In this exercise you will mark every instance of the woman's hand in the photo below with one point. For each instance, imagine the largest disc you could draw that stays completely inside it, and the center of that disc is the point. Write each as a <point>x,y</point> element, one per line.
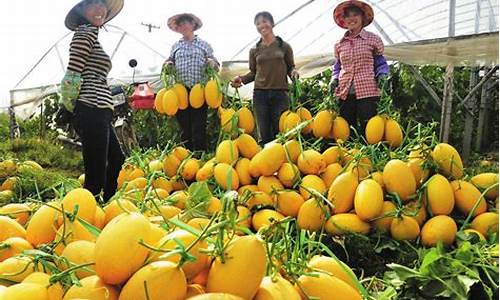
<point>168,64</point>
<point>294,74</point>
<point>381,81</point>
<point>212,64</point>
<point>70,89</point>
<point>333,85</point>
<point>236,82</point>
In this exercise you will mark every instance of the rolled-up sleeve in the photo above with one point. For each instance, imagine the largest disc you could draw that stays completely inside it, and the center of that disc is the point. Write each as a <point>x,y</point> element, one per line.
<point>210,53</point>
<point>378,47</point>
<point>174,48</point>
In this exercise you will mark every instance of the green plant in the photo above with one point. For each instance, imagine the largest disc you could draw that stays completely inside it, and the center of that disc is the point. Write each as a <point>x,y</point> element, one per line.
<point>154,130</point>
<point>468,272</point>
<point>42,185</point>
<point>45,152</point>
<point>369,255</point>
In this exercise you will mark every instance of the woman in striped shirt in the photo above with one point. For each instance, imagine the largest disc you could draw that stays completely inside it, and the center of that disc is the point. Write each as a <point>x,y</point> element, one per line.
<point>84,91</point>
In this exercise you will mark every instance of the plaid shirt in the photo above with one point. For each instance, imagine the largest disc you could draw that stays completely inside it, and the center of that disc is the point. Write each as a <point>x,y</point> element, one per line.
<point>189,58</point>
<point>356,55</point>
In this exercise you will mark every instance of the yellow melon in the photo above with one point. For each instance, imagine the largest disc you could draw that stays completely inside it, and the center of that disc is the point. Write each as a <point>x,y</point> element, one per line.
<point>246,120</point>
<point>170,103</point>
<point>448,159</point>
<point>399,179</point>
<point>197,96</point>
<point>247,146</point>
<point>226,176</point>
<point>305,115</point>
<point>227,152</point>
<point>374,131</point>
<point>182,95</point>
<point>393,133</point>
<point>212,94</point>
<point>340,129</point>
<point>322,124</point>
<point>159,100</point>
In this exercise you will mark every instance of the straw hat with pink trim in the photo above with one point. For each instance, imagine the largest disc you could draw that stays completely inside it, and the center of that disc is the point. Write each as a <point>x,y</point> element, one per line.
<point>339,11</point>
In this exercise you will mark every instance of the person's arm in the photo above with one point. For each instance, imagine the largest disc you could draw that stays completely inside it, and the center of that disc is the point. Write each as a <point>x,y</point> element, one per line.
<point>290,63</point>
<point>334,81</point>
<point>336,69</point>
<point>211,59</point>
<point>381,68</point>
<point>378,47</point>
<point>338,65</point>
<point>252,63</point>
<point>81,45</point>
<point>171,58</point>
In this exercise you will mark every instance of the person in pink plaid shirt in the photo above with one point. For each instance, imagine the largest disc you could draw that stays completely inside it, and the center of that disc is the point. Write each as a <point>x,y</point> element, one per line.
<point>360,68</point>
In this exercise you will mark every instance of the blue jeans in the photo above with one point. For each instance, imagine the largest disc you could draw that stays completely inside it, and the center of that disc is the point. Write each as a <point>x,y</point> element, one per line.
<point>268,105</point>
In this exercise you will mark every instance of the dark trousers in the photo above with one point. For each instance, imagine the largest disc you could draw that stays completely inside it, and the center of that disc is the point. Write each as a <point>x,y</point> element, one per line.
<point>102,154</point>
<point>268,105</point>
<point>193,123</point>
<point>357,112</point>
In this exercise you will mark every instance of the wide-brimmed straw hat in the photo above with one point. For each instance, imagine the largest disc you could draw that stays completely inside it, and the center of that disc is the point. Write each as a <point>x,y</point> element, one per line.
<point>172,21</point>
<point>338,12</point>
<point>75,16</point>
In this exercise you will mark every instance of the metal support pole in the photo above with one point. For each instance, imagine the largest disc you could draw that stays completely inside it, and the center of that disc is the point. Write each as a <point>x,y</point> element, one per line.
<point>482,116</point>
<point>447,105</point>
<point>118,44</point>
<point>471,104</point>
<point>469,120</point>
<point>42,122</point>
<point>13,127</point>
<point>13,124</point>
<point>490,102</point>
<point>451,20</point>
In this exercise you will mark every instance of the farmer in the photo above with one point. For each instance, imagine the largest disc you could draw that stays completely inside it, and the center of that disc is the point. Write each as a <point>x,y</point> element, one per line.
<point>189,56</point>
<point>360,68</point>
<point>271,61</point>
<point>85,93</point>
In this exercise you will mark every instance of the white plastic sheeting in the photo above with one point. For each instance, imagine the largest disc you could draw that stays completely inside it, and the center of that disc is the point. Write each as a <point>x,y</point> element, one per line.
<point>463,51</point>
<point>408,28</point>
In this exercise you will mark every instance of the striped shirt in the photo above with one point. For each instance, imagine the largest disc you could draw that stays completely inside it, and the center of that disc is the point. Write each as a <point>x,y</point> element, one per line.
<point>356,54</point>
<point>87,57</point>
<point>190,58</point>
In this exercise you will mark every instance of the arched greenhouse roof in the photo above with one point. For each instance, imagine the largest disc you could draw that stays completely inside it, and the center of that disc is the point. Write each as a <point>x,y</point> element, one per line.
<point>458,32</point>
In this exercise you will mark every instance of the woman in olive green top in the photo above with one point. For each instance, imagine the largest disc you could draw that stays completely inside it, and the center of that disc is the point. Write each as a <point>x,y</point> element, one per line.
<point>271,61</point>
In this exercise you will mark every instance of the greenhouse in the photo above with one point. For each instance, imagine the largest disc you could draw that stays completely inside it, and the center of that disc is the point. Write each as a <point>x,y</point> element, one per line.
<point>313,150</point>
